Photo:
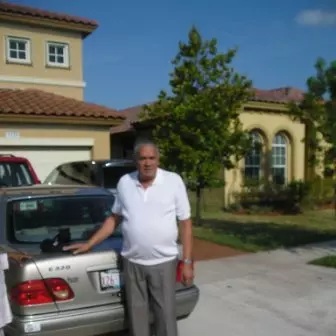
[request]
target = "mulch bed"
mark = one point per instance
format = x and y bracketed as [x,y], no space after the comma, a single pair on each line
[204,250]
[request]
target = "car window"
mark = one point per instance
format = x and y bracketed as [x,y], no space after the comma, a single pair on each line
[112,175]
[15,174]
[35,219]
[73,173]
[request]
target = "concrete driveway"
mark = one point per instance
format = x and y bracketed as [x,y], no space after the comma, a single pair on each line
[265,294]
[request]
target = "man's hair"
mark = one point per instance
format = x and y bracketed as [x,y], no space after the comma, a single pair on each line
[143,142]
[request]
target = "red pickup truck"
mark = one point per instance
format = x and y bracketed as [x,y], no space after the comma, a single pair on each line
[16,171]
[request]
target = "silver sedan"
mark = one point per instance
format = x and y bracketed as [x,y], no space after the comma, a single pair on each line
[55,293]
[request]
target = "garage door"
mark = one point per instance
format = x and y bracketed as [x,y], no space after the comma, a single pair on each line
[45,160]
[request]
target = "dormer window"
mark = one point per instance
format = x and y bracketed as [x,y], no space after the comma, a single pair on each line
[18,50]
[57,54]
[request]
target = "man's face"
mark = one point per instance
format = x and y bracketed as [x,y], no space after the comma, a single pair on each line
[147,162]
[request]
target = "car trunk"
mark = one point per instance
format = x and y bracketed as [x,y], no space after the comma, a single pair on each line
[94,278]
[90,276]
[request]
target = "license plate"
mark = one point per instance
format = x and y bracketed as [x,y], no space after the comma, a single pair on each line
[110,280]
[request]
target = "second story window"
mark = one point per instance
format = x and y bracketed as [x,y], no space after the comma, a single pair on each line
[18,50]
[57,54]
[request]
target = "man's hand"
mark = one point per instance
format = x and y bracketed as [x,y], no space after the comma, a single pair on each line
[77,248]
[105,231]
[188,274]
[19,257]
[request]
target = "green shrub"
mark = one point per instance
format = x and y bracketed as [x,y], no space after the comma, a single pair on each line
[322,191]
[212,199]
[264,197]
[289,198]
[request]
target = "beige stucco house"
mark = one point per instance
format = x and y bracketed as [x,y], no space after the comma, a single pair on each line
[281,156]
[42,113]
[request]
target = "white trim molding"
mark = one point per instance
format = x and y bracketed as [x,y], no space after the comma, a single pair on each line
[26,51]
[47,142]
[42,81]
[64,54]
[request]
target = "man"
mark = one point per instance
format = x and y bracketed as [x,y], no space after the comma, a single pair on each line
[148,203]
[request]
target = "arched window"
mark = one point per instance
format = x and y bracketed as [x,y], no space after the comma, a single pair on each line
[279,158]
[254,157]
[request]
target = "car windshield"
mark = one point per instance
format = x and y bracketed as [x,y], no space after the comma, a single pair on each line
[15,174]
[112,175]
[36,219]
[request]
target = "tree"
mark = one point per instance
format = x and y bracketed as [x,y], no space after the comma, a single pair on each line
[318,112]
[197,126]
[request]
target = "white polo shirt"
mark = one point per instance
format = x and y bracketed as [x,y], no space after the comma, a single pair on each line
[149,224]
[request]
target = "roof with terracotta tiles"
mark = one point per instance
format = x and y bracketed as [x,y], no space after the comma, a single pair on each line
[278,96]
[36,102]
[281,95]
[9,8]
[132,115]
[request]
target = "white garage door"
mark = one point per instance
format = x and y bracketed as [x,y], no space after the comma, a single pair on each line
[45,160]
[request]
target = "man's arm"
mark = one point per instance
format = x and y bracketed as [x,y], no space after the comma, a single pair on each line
[184,216]
[108,226]
[105,230]
[187,238]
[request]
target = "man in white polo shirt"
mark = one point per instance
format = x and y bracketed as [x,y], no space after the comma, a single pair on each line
[148,203]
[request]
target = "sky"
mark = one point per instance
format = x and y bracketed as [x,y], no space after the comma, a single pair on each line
[127,60]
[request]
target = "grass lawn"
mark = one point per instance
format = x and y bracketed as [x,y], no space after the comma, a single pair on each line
[327,261]
[259,232]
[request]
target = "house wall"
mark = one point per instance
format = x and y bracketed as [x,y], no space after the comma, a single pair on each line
[23,134]
[268,125]
[66,81]
[267,119]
